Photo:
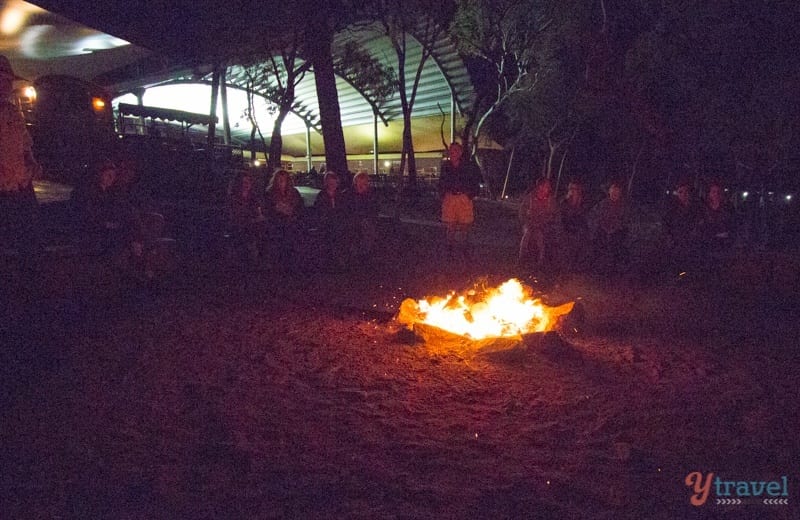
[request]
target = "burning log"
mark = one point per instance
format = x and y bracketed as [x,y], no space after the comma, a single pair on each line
[483,320]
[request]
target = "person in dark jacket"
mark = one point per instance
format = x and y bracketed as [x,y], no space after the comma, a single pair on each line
[574,228]
[610,218]
[362,215]
[330,209]
[680,225]
[111,225]
[459,184]
[283,207]
[246,217]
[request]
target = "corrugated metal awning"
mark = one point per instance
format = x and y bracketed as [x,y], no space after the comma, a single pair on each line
[443,75]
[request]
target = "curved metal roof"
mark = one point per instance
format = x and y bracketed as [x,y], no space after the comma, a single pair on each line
[127,68]
[442,74]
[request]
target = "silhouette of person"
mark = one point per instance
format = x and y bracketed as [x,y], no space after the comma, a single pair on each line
[539,216]
[459,185]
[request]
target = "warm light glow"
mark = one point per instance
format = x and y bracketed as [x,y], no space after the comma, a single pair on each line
[29,92]
[41,35]
[98,104]
[15,15]
[504,311]
[387,163]
[12,21]
[256,163]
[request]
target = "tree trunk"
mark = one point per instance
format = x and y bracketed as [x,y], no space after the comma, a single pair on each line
[321,34]
[212,124]
[633,169]
[408,148]
[550,156]
[253,150]
[564,159]
[508,173]
[251,117]
[276,143]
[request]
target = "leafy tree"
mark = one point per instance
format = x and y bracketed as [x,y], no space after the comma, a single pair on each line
[319,40]
[251,73]
[322,21]
[528,60]
[720,78]
[276,76]
[280,76]
[403,20]
[502,37]
[358,67]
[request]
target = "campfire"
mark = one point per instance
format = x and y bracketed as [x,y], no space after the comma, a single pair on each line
[482,314]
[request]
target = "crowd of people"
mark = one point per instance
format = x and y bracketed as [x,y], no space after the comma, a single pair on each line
[276,229]
[571,235]
[698,233]
[272,227]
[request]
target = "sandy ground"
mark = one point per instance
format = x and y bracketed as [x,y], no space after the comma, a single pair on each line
[223,393]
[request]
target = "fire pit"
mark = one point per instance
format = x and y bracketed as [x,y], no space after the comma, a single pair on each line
[482,319]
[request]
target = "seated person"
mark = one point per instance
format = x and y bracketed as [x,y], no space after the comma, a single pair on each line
[330,212]
[246,217]
[680,226]
[362,210]
[111,225]
[284,211]
[574,228]
[329,201]
[610,217]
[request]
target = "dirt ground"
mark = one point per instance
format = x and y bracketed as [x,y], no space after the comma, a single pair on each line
[230,393]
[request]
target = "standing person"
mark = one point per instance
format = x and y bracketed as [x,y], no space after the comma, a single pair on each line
[19,209]
[539,217]
[575,228]
[459,184]
[611,231]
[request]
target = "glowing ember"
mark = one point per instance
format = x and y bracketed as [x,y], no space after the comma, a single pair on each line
[505,311]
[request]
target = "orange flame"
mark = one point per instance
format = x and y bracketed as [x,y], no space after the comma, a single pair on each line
[505,311]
